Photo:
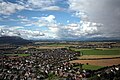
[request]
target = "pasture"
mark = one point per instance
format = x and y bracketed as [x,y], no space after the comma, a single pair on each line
[20,55]
[113,51]
[89,67]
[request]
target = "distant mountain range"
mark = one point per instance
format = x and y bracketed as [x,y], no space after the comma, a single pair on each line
[103,39]
[20,41]
[13,40]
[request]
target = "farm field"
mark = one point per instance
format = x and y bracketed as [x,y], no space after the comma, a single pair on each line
[97,56]
[41,47]
[20,55]
[112,51]
[48,46]
[102,62]
[63,45]
[89,67]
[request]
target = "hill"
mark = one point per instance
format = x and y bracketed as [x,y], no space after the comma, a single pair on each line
[13,40]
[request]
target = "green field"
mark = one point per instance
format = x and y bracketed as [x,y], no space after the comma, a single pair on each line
[90,67]
[59,45]
[20,55]
[113,51]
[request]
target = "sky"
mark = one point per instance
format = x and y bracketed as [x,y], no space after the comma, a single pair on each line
[60,19]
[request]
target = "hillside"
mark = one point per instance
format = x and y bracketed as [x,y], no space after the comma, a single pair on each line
[13,40]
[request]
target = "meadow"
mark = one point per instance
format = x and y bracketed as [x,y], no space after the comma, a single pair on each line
[113,51]
[89,67]
[20,55]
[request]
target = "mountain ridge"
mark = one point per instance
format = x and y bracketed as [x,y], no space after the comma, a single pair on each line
[13,40]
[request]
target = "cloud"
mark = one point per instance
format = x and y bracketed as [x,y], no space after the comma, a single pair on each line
[52,8]
[78,30]
[71,30]
[50,18]
[20,31]
[40,3]
[39,21]
[106,12]
[82,15]
[47,22]
[97,18]
[53,29]
[8,8]
[21,17]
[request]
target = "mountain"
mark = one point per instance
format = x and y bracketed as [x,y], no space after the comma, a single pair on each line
[103,39]
[13,40]
[20,41]
[94,39]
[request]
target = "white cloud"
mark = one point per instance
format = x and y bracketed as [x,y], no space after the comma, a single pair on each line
[81,8]
[19,31]
[54,29]
[52,8]
[73,30]
[82,15]
[21,17]
[50,18]
[16,27]
[106,12]
[40,3]
[78,30]
[50,23]
[40,21]
[7,8]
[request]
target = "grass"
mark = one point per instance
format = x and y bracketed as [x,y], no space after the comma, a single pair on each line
[94,77]
[90,67]
[20,55]
[99,51]
[52,77]
[59,45]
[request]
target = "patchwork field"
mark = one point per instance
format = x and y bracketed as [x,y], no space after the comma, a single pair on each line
[48,46]
[97,58]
